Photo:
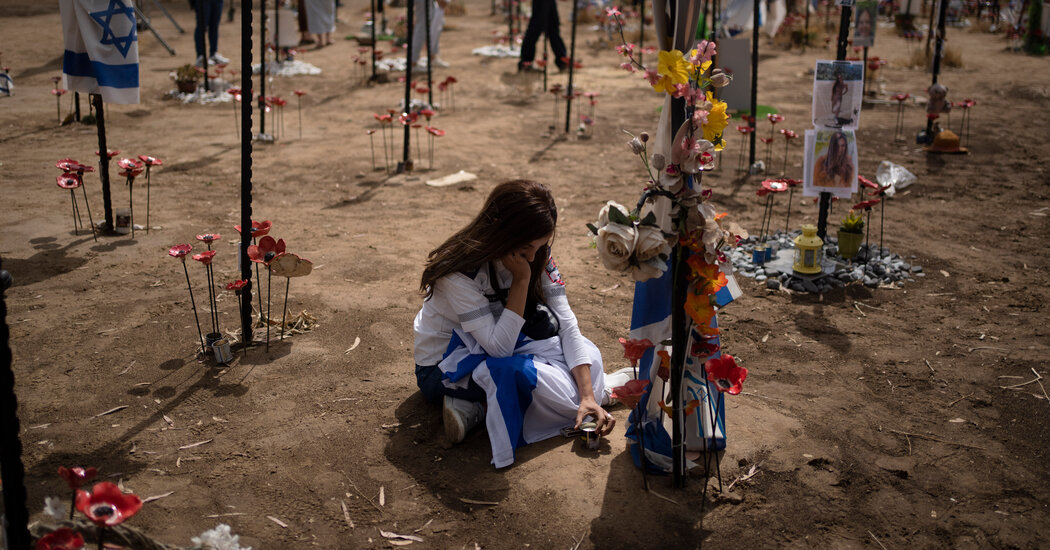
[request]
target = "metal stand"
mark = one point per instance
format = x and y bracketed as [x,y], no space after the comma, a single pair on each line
[143,20]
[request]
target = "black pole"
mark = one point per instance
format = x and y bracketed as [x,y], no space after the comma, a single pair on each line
[262,72]
[374,23]
[430,91]
[276,30]
[937,52]
[103,161]
[246,175]
[405,165]
[76,98]
[679,333]
[805,38]
[840,55]
[12,471]
[864,83]
[754,86]
[569,91]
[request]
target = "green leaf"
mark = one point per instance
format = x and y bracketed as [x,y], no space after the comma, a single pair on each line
[649,219]
[592,228]
[617,216]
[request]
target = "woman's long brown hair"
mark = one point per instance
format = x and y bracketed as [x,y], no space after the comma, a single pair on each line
[837,161]
[515,213]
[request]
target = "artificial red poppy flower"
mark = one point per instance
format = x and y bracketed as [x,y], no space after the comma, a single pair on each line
[129,164]
[540,63]
[747,118]
[633,349]
[451,80]
[555,88]
[664,372]
[613,12]
[630,393]
[775,186]
[266,250]
[130,173]
[422,90]
[427,113]
[150,161]
[237,285]
[435,131]
[60,539]
[866,182]
[726,374]
[280,101]
[791,182]
[788,134]
[259,229]
[76,476]
[69,181]
[443,86]
[299,93]
[68,165]
[775,118]
[54,79]
[109,153]
[235,92]
[967,103]
[866,205]
[290,265]
[901,97]
[205,257]
[384,119]
[703,349]
[179,251]
[766,139]
[106,505]
[58,91]
[209,238]
[370,131]
[745,129]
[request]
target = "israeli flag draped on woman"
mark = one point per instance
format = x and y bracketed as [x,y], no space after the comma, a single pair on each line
[101,49]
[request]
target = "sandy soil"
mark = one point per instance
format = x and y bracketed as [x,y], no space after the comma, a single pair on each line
[875,417]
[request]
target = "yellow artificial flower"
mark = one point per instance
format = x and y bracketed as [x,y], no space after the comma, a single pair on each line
[717,120]
[673,69]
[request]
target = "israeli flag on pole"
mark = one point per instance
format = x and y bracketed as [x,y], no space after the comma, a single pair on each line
[102,54]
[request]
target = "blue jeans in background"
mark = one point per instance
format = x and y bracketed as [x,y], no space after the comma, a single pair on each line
[208,14]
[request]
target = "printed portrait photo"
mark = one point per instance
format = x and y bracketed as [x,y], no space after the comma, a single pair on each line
[838,90]
[830,163]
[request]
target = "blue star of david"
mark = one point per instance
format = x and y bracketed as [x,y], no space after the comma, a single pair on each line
[116,7]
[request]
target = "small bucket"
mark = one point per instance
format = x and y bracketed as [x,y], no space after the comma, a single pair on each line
[122,220]
[758,255]
[222,351]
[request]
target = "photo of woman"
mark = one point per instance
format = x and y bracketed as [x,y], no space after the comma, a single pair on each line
[837,94]
[831,162]
[864,29]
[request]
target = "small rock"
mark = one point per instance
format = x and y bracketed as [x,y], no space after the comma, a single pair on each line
[916,269]
[761,278]
[809,286]
[773,284]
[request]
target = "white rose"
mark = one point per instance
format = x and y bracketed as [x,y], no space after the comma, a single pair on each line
[651,243]
[649,270]
[603,214]
[636,146]
[615,245]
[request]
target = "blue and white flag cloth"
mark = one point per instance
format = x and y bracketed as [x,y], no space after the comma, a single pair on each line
[6,84]
[102,53]
[530,396]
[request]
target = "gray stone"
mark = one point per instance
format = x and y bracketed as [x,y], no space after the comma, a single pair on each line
[916,269]
[809,286]
[773,284]
[760,278]
[868,281]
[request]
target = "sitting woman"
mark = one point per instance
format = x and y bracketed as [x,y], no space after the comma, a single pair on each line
[496,331]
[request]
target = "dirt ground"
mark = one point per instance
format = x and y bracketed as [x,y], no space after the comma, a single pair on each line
[875,417]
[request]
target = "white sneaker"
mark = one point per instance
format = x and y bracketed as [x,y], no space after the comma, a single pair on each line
[199,62]
[218,59]
[438,62]
[460,416]
[615,379]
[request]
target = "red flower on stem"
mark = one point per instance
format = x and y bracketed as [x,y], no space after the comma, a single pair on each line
[704,349]
[664,371]
[179,251]
[209,238]
[767,140]
[788,134]
[435,131]
[267,249]
[106,505]
[427,113]
[70,165]
[631,393]
[726,374]
[60,539]
[867,183]
[774,118]
[237,285]
[634,349]
[205,257]
[745,129]
[76,476]
[866,205]
[150,161]
[129,164]
[58,92]
[774,186]
[901,97]
[259,229]
[69,181]
[109,153]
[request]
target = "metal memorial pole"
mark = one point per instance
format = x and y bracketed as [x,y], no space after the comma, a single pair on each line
[754,86]
[825,197]
[406,165]
[103,162]
[569,91]
[243,262]
[12,471]
[262,70]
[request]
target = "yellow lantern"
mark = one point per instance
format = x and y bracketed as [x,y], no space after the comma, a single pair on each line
[809,251]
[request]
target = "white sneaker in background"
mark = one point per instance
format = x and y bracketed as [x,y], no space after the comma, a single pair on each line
[438,62]
[460,416]
[218,59]
[612,380]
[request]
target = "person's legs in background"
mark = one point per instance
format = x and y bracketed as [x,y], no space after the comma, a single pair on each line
[214,16]
[554,36]
[537,23]
[437,24]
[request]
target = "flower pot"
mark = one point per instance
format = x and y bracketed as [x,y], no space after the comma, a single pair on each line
[849,244]
[122,221]
[222,351]
[186,87]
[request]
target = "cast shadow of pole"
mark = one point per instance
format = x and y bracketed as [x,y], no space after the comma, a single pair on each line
[632,518]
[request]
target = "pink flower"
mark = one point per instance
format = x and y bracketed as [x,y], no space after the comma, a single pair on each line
[726,374]
[745,129]
[775,186]
[652,76]
[788,134]
[705,50]
[631,393]
[613,12]
[299,93]
[627,66]
[209,238]
[700,117]
[775,118]
[206,257]
[150,161]
[129,164]
[625,49]
[58,92]
[259,229]
[69,181]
